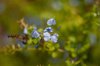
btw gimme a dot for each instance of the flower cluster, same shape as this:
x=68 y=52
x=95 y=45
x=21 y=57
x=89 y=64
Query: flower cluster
x=47 y=34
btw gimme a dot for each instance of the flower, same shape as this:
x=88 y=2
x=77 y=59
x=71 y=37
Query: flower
x=47 y=36
x=25 y=30
x=35 y=34
x=54 y=38
x=51 y=22
x=48 y=29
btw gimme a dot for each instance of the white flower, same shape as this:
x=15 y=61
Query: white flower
x=25 y=31
x=54 y=38
x=47 y=36
x=51 y=22
x=48 y=29
x=35 y=34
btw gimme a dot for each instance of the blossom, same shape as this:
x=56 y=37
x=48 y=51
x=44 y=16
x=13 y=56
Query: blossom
x=48 y=29
x=25 y=30
x=54 y=38
x=51 y=22
x=35 y=34
x=47 y=36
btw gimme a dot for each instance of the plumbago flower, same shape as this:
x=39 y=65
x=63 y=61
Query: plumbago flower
x=48 y=29
x=54 y=38
x=51 y=22
x=37 y=37
x=35 y=33
x=47 y=35
x=25 y=31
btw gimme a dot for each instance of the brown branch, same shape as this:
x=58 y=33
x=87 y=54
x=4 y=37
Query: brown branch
x=22 y=23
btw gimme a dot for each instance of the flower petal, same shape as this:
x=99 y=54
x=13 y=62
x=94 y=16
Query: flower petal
x=54 y=38
x=46 y=36
x=48 y=29
x=35 y=34
x=51 y=22
x=25 y=31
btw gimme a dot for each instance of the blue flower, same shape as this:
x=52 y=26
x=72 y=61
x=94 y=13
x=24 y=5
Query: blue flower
x=35 y=34
x=25 y=31
x=48 y=29
x=54 y=38
x=47 y=36
x=51 y=22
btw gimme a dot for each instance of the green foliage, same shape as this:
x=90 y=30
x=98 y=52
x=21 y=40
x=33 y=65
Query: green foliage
x=78 y=28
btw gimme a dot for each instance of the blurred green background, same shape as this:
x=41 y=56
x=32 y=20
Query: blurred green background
x=78 y=25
